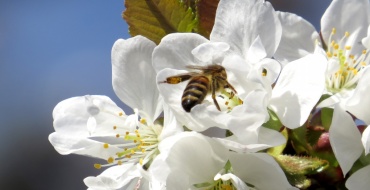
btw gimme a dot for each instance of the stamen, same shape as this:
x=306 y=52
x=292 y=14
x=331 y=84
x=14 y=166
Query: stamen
x=336 y=46
x=97 y=166
x=333 y=31
x=110 y=160
x=329 y=54
x=106 y=145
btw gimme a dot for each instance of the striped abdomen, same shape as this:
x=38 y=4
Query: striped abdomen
x=195 y=92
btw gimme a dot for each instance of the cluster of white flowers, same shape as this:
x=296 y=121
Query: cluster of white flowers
x=276 y=62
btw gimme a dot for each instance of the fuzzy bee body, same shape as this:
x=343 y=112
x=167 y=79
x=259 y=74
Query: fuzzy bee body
x=195 y=92
x=208 y=79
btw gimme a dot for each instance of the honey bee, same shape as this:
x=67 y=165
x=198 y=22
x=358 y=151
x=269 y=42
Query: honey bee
x=207 y=79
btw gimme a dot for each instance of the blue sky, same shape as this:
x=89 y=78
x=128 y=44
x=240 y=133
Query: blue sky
x=50 y=51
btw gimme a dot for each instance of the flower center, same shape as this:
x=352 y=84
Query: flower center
x=216 y=185
x=221 y=181
x=140 y=146
x=348 y=63
x=228 y=101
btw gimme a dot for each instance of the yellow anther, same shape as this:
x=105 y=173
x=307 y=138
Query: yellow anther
x=136 y=131
x=119 y=162
x=263 y=74
x=348 y=47
x=127 y=133
x=355 y=71
x=333 y=31
x=132 y=151
x=97 y=166
x=363 y=63
x=332 y=43
x=117 y=135
x=336 y=46
x=143 y=121
x=135 y=141
x=120 y=114
x=226 y=103
x=329 y=54
x=106 y=145
x=335 y=54
x=128 y=156
x=141 y=161
x=346 y=34
x=364 y=51
x=110 y=160
x=351 y=56
x=138 y=135
x=125 y=149
x=143 y=150
x=114 y=127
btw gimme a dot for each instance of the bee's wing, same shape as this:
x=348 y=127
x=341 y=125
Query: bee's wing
x=208 y=68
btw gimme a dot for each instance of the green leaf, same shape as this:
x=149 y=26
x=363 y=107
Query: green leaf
x=296 y=168
x=206 y=13
x=326 y=117
x=297 y=165
x=156 y=18
x=298 y=139
x=274 y=122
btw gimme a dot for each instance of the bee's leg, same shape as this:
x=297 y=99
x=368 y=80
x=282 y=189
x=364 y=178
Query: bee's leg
x=214 y=83
x=228 y=85
x=177 y=78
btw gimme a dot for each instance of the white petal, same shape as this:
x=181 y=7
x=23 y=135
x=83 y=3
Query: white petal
x=237 y=70
x=345 y=139
x=114 y=177
x=366 y=140
x=366 y=40
x=171 y=126
x=260 y=170
x=239 y=22
x=266 y=138
x=351 y=16
x=193 y=154
x=87 y=116
x=247 y=118
x=66 y=144
x=298 y=89
x=359 y=180
x=134 y=76
x=298 y=38
x=243 y=120
x=359 y=103
x=175 y=49
x=208 y=52
x=256 y=52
